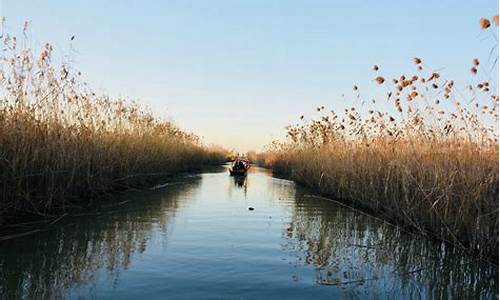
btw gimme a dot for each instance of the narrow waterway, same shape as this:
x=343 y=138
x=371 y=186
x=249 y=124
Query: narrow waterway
x=196 y=238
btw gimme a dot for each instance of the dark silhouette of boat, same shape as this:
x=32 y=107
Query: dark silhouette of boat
x=239 y=166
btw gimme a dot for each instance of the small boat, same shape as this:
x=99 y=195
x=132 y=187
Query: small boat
x=240 y=166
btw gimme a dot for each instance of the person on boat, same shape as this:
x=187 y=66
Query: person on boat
x=240 y=165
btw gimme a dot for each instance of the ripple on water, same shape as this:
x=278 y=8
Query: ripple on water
x=196 y=238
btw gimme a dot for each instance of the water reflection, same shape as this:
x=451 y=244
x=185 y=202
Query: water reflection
x=185 y=238
x=364 y=256
x=240 y=181
x=48 y=265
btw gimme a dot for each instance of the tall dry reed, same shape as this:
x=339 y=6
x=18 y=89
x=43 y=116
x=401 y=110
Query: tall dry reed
x=426 y=155
x=61 y=144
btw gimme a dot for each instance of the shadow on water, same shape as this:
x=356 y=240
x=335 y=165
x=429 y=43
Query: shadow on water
x=192 y=233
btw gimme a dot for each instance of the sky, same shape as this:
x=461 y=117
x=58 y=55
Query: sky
x=237 y=72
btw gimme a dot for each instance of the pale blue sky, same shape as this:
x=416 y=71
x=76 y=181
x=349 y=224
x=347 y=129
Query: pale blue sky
x=237 y=72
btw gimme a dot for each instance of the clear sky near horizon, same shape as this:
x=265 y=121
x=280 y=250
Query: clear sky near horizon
x=237 y=72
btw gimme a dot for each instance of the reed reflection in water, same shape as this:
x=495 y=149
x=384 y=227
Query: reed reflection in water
x=49 y=264
x=195 y=237
x=366 y=256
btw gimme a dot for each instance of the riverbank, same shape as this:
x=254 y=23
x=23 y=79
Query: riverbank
x=62 y=144
x=450 y=195
x=197 y=231
x=425 y=155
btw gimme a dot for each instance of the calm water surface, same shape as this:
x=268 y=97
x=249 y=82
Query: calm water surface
x=195 y=238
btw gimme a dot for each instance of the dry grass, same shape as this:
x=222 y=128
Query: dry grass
x=426 y=155
x=61 y=143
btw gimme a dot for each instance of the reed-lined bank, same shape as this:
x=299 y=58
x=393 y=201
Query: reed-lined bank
x=62 y=144
x=426 y=155
x=294 y=245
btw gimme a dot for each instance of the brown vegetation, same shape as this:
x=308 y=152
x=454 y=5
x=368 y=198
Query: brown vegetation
x=61 y=143
x=427 y=157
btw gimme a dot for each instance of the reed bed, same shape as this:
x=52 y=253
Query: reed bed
x=424 y=156
x=63 y=145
